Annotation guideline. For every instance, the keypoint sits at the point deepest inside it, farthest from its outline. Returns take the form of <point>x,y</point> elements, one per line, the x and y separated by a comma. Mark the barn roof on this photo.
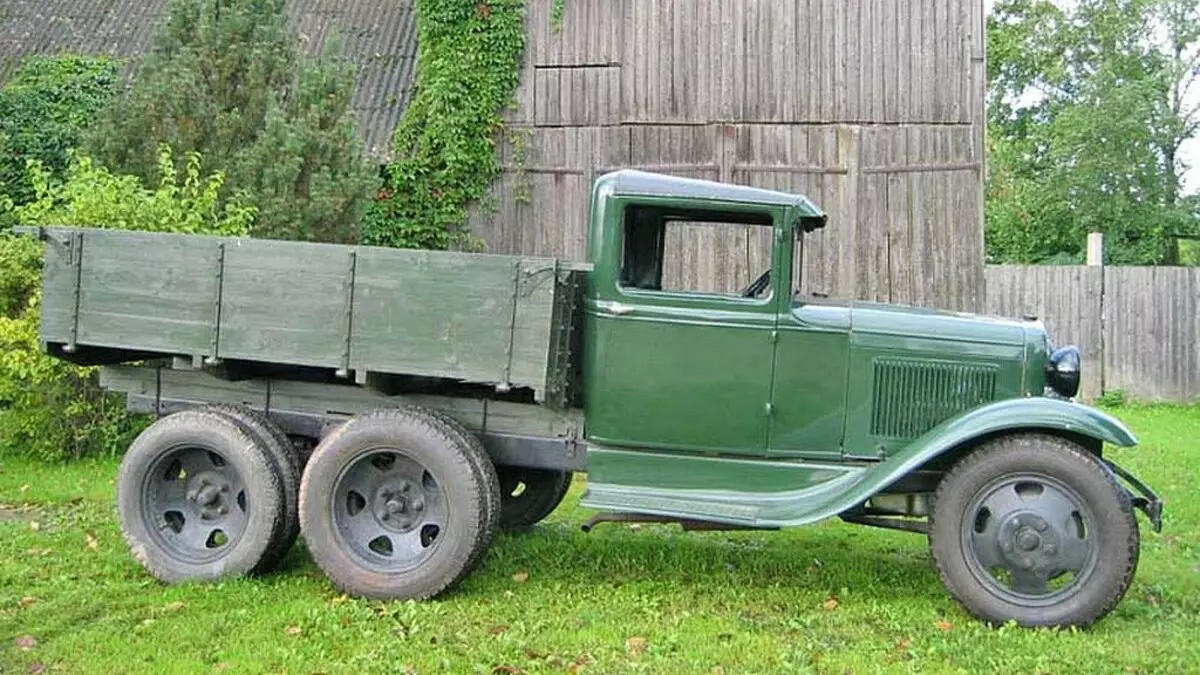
<point>380,38</point>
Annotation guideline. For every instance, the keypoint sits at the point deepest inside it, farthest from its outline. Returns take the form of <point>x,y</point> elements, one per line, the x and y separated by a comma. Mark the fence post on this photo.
<point>1095,258</point>
<point>1095,249</point>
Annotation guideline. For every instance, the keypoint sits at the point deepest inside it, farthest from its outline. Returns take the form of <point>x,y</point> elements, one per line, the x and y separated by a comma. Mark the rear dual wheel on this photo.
<point>527,495</point>
<point>208,493</point>
<point>399,504</point>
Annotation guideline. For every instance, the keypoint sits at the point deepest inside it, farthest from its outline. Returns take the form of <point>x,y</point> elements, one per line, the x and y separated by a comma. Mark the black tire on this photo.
<point>287,464</point>
<point>396,504</point>
<point>527,495</point>
<point>1034,528</point>
<point>486,471</point>
<point>198,498</point>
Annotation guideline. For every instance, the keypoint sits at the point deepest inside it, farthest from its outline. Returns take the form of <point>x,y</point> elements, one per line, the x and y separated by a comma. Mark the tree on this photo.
<point>1086,115</point>
<point>225,80</point>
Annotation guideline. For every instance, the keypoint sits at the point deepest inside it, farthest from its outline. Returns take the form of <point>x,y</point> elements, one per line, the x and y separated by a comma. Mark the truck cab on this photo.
<point>765,371</point>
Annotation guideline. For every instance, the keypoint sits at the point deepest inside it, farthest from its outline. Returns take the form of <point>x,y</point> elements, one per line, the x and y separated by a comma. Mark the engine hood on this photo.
<point>869,318</point>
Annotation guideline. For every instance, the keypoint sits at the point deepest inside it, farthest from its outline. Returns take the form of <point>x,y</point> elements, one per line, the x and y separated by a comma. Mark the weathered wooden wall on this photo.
<point>873,108</point>
<point>1138,327</point>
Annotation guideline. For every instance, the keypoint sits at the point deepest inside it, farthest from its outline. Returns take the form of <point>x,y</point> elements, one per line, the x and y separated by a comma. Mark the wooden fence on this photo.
<point>1138,327</point>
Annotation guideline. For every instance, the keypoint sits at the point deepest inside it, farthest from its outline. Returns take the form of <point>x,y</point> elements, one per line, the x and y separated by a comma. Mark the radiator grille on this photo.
<point>912,396</point>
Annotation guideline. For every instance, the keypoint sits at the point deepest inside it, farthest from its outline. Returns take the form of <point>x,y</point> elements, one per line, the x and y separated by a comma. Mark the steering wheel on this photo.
<point>756,287</point>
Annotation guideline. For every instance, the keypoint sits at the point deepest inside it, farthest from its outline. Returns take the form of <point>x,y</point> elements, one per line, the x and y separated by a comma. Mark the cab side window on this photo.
<point>698,251</point>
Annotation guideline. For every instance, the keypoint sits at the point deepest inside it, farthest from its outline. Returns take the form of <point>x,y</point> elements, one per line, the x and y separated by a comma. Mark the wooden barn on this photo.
<point>873,108</point>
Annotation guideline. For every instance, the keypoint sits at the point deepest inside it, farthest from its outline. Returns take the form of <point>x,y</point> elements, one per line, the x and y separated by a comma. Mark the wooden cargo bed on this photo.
<point>114,296</point>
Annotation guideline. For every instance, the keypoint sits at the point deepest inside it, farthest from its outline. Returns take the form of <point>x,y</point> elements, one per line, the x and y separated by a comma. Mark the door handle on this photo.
<point>620,309</point>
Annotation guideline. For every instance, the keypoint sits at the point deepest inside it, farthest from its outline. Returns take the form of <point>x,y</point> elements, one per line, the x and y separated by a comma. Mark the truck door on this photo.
<point>809,382</point>
<point>680,356</point>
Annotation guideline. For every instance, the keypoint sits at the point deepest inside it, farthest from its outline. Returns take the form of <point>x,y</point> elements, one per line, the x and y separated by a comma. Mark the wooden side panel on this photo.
<point>456,316</point>
<point>1152,332</point>
<point>529,344</point>
<point>474,317</point>
<point>59,277</point>
<point>1068,301</point>
<point>285,300</point>
<point>147,292</point>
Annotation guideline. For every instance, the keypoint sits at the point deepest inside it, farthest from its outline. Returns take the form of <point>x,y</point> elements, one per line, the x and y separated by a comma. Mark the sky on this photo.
<point>1191,149</point>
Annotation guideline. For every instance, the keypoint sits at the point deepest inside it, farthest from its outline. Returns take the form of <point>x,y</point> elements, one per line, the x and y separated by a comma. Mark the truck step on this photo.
<point>625,499</point>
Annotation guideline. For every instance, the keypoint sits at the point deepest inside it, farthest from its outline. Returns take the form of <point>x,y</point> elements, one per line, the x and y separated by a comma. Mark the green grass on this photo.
<point>833,598</point>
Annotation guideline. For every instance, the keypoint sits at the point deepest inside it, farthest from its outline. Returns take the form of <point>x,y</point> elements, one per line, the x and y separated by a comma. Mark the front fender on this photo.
<point>1022,413</point>
<point>1009,415</point>
<point>1015,414</point>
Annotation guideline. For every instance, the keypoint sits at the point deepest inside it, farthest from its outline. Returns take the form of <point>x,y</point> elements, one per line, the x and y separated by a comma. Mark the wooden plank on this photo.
<point>285,302</point>
<point>902,275</point>
<point>870,250</point>
<point>578,96</point>
<point>148,292</point>
<point>1151,332</point>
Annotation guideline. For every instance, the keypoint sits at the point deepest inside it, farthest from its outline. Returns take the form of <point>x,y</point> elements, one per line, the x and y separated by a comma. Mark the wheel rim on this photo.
<point>1030,539</point>
<point>389,510</point>
<point>194,504</point>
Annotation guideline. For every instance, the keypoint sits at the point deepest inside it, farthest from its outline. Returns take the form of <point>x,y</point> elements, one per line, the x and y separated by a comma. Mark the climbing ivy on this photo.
<point>556,14</point>
<point>445,145</point>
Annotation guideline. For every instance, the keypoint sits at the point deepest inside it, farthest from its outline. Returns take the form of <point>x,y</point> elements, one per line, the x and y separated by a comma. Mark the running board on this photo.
<point>687,524</point>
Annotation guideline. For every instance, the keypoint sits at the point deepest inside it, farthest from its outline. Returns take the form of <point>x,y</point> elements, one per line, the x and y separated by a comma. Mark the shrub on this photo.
<point>44,112</point>
<point>51,409</point>
<point>225,80</point>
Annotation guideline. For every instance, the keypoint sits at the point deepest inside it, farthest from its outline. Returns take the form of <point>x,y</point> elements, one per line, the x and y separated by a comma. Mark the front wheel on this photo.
<point>1033,528</point>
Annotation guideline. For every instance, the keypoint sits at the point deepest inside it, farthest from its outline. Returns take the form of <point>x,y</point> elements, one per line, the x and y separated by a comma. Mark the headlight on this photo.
<point>1062,371</point>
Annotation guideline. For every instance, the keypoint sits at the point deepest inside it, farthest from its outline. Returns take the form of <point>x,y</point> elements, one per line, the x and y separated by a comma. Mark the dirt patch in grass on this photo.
<point>10,513</point>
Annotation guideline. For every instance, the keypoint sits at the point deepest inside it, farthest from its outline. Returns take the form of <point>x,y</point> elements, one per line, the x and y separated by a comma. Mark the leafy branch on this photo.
<point>446,154</point>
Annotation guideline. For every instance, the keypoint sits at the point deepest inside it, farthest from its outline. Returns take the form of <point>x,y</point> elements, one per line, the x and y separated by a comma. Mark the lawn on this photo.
<point>833,598</point>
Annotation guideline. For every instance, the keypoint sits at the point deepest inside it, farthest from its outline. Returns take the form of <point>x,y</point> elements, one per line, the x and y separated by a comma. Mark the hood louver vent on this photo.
<point>912,396</point>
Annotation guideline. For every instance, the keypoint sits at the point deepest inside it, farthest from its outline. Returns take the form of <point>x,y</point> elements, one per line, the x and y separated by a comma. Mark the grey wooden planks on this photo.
<point>464,316</point>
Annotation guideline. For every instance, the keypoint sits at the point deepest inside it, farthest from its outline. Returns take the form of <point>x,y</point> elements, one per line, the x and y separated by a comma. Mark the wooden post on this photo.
<point>1095,258</point>
<point>1095,249</point>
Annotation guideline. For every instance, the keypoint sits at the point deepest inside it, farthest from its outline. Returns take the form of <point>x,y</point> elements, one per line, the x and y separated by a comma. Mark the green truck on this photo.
<point>397,407</point>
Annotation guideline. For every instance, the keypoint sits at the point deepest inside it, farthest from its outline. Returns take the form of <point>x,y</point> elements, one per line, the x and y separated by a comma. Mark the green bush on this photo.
<point>51,409</point>
<point>44,112</point>
<point>92,196</point>
<point>225,80</point>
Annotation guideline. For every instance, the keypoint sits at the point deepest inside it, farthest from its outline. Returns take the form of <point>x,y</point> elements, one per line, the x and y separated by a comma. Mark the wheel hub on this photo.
<point>398,506</point>
<point>1028,541</point>
<point>209,493</point>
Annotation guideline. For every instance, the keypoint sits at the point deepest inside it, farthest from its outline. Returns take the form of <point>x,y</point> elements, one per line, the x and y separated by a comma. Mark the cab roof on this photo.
<point>633,183</point>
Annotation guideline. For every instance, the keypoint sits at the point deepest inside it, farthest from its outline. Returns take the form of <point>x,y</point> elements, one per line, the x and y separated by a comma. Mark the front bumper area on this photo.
<point>1144,499</point>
